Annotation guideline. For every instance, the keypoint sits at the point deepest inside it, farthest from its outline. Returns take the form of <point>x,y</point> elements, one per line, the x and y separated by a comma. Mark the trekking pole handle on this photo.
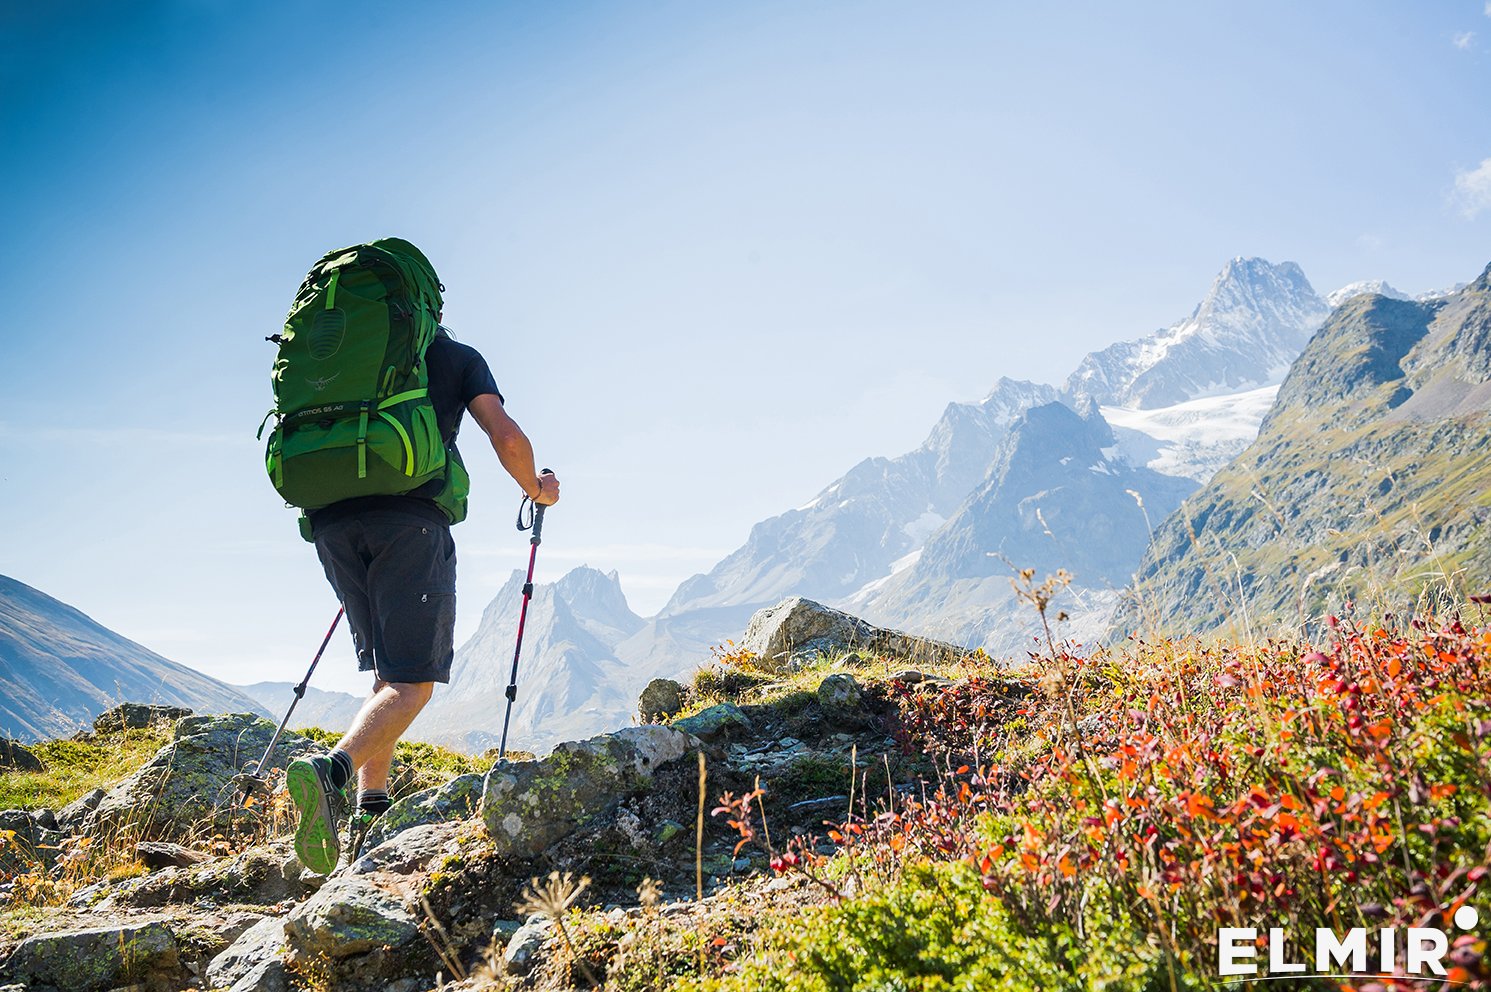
<point>538,512</point>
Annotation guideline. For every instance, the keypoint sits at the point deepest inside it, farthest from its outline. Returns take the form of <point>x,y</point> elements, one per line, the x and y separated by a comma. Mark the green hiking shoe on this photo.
<point>308,781</point>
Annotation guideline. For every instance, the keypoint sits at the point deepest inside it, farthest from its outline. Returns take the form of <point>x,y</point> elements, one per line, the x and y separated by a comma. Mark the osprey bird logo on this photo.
<point>320,384</point>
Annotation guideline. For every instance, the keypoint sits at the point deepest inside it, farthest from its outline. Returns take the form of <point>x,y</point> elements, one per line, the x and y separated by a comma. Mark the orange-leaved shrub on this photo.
<point>1101,816</point>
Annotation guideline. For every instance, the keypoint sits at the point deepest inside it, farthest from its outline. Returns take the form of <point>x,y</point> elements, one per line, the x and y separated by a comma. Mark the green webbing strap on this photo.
<point>403,436</point>
<point>331,289</point>
<point>279,463</point>
<point>362,442</point>
<point>397,398</point>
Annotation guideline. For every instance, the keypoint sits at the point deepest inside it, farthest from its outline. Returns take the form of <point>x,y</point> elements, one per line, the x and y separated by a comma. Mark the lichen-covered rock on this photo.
<point>661,699</point>
<point>718,722</point>
<point>17,757</point>
<point>527,806</point>
<point>839,692</point>
<point>352,916</point>
<point>410,850</point>
<point>457,799</point>
<point>72,816</point>
<point>95,960</point>
<point>798,628</point>
<point>134,716</point>
<point>265,873</point>
<point>189,783</point>
<point>257,951</point>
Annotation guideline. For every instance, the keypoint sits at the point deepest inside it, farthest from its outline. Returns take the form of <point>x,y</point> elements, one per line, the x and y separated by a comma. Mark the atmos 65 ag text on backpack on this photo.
<point>352,408</point>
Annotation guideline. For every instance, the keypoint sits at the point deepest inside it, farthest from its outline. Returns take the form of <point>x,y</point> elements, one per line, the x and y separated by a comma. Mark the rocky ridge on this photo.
<point>435,888</point>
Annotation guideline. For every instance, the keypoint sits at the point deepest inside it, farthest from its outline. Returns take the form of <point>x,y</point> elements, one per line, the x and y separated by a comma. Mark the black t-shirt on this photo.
<point>458,374</point>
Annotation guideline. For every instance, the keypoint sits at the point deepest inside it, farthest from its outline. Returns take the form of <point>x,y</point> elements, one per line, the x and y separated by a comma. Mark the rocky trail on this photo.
<point>447,890</point>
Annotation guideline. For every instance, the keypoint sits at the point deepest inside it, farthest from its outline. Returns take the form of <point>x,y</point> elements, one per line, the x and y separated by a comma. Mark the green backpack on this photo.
<point>351,393</point>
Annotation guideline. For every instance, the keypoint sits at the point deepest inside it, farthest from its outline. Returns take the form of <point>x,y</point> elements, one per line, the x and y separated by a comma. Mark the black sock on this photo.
<point>374,801</point>
<point>341,768</point>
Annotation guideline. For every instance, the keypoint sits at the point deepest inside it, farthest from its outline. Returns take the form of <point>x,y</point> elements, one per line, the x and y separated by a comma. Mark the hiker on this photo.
<point>388,555</point>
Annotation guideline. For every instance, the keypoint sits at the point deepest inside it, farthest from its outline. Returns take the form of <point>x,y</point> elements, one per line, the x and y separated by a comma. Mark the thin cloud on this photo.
<point>1473,189</point>
<point>1463,40</point>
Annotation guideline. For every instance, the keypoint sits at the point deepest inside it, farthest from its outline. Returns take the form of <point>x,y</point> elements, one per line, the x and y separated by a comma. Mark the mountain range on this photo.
<point>1368,482</point>
<point>59,669</point>
<point>1368,464</point>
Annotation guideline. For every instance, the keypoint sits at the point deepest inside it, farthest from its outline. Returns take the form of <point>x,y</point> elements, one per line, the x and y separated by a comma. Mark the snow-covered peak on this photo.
<point>1252,323</point>
<point>1364,287</point>
<point>1439,294</point>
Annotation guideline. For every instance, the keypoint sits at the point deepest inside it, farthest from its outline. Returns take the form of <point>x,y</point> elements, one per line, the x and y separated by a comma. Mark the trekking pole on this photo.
<point>536,523</point>
<point>253,777</point>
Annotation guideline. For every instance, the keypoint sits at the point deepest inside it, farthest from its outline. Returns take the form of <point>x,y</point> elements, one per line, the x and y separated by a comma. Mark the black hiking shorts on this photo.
<point>395,574</point>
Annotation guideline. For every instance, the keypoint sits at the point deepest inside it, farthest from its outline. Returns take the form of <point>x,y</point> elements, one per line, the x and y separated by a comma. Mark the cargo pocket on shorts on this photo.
<point>420,650</point>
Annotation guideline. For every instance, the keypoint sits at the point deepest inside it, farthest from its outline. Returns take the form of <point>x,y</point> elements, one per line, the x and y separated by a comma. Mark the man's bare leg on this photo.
<point>378,726</point>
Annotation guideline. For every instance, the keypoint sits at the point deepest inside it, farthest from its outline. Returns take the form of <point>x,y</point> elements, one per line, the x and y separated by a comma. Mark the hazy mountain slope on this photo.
<point>324,708</point>
<point>1058,495</point>
<point>59,669</point>
<point>1370,480</point>
<point>570,683</point>
<point>879,511</point>
<point>1251,324</point>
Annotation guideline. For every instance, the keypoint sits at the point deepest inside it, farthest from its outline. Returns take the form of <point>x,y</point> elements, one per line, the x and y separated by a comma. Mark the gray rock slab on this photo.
<point>798,627</point>
<point>135,716</point>
<point>349,916</point>
<point>255,947</point>
<point>95,960</point>
<point>410,850</point>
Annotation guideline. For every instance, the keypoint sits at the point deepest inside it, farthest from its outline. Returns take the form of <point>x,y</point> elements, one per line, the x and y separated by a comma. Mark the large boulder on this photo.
<point>189,784</point>
<point>661,699</point>
<point>798,629</point>
<point>17,757</point>
<point>355,934</point>
<point>136,716</point>
<point>528,806</point>
<point>94,960</point>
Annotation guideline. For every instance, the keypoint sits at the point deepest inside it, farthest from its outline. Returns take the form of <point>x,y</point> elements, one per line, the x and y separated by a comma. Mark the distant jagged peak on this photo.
<point>1255,290</point>
<point>597,595</point>
<point>999,408</point>
<point>1364,287</point>
<point>586,580</point>
<point>1253,321</point>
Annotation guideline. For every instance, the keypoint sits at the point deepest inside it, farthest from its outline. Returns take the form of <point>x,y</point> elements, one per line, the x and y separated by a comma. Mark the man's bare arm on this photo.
<point>513,449</point>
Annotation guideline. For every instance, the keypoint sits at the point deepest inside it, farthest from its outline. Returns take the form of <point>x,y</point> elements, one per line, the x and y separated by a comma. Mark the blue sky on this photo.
<point>715,253</point>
